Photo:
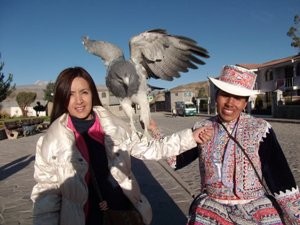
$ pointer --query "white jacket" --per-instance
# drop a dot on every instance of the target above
(61, 191)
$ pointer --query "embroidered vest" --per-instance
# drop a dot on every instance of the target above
(225, 171)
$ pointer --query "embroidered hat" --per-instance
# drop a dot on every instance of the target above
(236, 80)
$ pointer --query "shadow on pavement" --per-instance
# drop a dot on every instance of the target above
(165, 210)
(14, 166)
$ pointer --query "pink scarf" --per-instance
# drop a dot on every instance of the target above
(97, 133)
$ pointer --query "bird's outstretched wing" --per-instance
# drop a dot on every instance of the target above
(163, 55)
(108, 52)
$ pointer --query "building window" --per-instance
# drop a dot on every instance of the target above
(268, 98)
(187, 94)
(269, 75)
(288, 71)
(103, 95)
(298, 70)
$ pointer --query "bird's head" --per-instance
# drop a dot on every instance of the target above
(85, 40)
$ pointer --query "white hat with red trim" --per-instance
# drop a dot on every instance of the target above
(236, 80)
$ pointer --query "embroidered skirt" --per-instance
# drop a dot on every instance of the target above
(207, 211)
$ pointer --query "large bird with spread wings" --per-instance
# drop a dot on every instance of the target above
(153, 53)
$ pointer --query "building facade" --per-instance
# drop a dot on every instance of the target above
(279, 83)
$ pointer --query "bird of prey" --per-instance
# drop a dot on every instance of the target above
(153, 54)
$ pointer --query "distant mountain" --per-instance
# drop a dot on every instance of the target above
(37, 88)
(191, 86)
(41, 82)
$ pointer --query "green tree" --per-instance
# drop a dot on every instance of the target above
(49, 91)
(6, 86)
(24, 99)
(294, 33)
(202, 93)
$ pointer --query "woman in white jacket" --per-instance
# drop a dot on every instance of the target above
(83, 134)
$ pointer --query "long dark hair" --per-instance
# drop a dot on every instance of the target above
(63, 89)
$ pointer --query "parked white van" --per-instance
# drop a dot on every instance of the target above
(185, 108)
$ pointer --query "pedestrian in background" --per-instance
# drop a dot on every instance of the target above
(242, 154)
(174, 112)
(86, 141)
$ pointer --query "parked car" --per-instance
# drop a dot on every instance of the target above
(185, 108)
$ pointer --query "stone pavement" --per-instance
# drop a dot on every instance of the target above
(16, 180)
(169, 192)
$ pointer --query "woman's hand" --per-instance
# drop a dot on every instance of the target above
(203, 134)
(152, 125)
(154, 130)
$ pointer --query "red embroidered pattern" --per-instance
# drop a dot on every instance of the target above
(233, 76)
(259, 211)
(228, 173)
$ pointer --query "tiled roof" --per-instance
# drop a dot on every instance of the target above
(279, 61)
(252, 66)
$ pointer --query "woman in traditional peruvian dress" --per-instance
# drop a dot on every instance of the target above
(243, 152)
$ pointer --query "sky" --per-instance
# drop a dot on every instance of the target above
(40, 38)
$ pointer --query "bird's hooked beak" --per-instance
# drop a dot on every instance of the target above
(84, 41)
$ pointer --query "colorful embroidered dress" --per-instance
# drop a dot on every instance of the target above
(232, 191)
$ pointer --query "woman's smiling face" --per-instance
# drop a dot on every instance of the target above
(80, 103)
(230, 106)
